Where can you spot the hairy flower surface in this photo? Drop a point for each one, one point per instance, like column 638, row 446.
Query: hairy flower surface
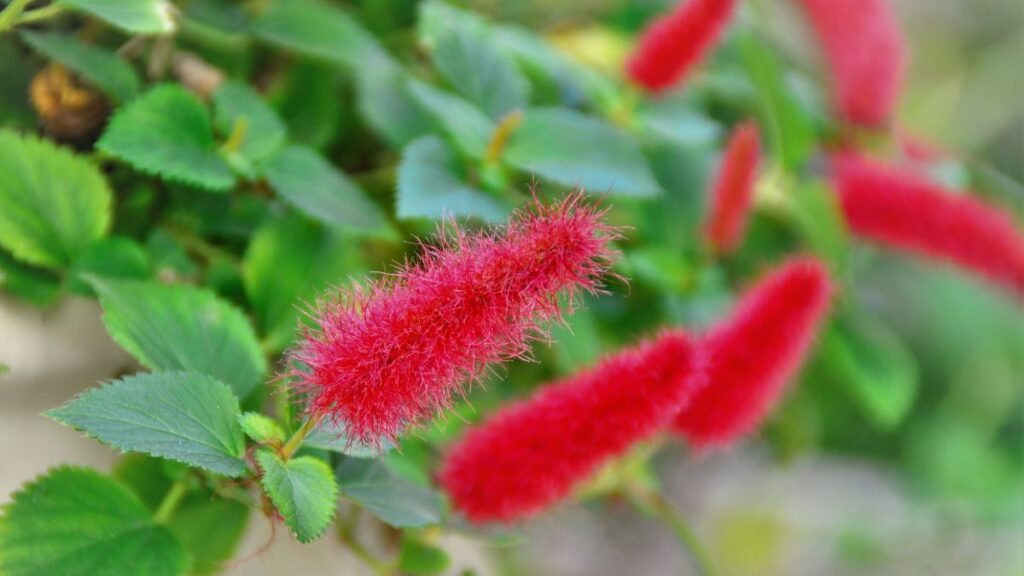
column 899, row 208
column 384, row 356
column 733, row 192
column 673, row 44
column 532, row 454
column 755, row 352
column 866, row 56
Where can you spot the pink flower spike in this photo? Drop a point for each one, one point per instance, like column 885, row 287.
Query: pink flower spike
column 866, row 56
column 387, row 355
column 733, row 192
column 531, row 455
column 754, row 353
column 673, row 44
column 899, row 208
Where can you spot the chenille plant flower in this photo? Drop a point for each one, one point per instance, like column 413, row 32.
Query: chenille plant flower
column 733, row 191
column 672, row 45
column 899, row 208
column 865, row 54
column 389, row 354
column 530, row 455
column 754, row 353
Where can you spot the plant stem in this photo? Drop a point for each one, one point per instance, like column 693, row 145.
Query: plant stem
column 295, row 441
column 44, row 13
column 346, row 529
column 171, row 500
column 651, row 501
column 9, row 15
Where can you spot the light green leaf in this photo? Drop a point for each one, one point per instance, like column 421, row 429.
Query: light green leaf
column 167, row 132
column 115, row 257
column 99, row 66
column 815, row 211
column 178, row 327
column 468, row 127
column 52, row 203
column 320, row 30
column 417, row 558
column 135, row 16
column 874, row 366
column 676, row 120
column 260, row 428
column 264, row 131
column 313, row 185
column 303, row 490
column 393, row 499
column 77, row 522
column 484, row 75
column 577, row 150
column 287, row 265
column 183, row 416
column 386, row 102
column 332, row 436
column 430, row 186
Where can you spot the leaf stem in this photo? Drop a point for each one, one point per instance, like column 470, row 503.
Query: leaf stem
column 171, row 500
column 9, row 15
column 654, row 503
column 295, row 441
column 44, row 13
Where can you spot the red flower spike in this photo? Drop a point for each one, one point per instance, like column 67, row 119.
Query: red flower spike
column 734, row 190
column 673, row 44
column 532, row 454
column 754, row 353
column 901, row 209
column 390, row 354
column 866, row 56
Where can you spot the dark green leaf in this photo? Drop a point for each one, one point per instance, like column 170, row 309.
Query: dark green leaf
column 393, row 499
column 77, row 522
column 53, row 202
column 576, row 150
column 303, row 490
column 100, row 67
column 429, row 186
column 388, row 106
column 182, row 416
column 177, row 327
column 38, row 287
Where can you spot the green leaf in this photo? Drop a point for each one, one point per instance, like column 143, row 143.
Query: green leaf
column 313, row 185
column 577, row 150
column 874, row 366
column 78, row 522
column 417, row 558
column 430, row 186
column 476, row 69
column 388, row 106
column 320, row 30
column 35, row 286
column 260, row 428
column 182, row 416
column 235, row 103
column 393, row 499
column 116, row 257
column 167, row 132
column 99, row 66
column 287, row 264
column 817, row 215
column 677, row 121
column 53, row 202
column 177, row 327
column 135, row 16
column 303, row 490
column 467, row 126
column 332, row 436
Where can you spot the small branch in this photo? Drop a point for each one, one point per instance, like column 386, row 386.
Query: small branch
column 295, row 441
column 654, row 503
column 10, row 15
column 171, row 500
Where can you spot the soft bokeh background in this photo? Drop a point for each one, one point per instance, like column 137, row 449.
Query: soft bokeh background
column 830, row 487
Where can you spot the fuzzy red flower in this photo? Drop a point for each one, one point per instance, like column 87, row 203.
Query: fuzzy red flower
column 901, row 209
column 392, row 353
column 866, row 56
column 734, row 190
column 674, row 43
column 754, row 353
column 532, row 454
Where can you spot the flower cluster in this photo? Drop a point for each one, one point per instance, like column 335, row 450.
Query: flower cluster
column 733, row 192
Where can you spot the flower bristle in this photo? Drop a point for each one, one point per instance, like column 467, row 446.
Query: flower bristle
column 383, row 356
column 755, row 352
column 866, row 56
column 670, row 47
column 530, row 455
column 897, row 207
column 733, row 191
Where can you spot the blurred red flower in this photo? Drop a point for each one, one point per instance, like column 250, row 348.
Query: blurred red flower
column 733, row 192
